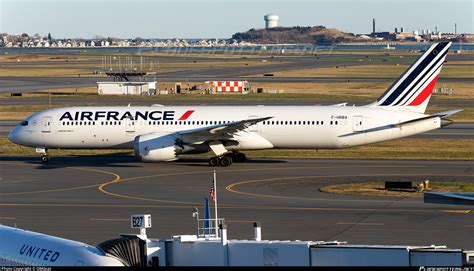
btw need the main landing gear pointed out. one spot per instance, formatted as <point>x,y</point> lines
<point>227,159</point>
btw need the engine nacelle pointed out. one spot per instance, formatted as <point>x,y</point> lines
<point>156,147</point>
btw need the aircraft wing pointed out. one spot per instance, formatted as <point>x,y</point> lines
<point>220,131</point>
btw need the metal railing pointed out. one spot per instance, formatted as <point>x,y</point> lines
<point>208,228</point>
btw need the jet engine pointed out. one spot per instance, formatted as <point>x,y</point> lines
<point>157,147</point>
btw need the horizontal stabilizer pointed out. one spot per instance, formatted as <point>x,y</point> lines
<point>413,121</point>
<point>447,113</point>
<point>440,115</point>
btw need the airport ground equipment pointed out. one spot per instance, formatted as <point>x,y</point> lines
<point>397,185</point>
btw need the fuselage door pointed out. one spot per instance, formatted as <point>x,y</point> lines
<point>358,123</point>
<point>253,128</point>
<point>46,124</point>
<point>130,125</point>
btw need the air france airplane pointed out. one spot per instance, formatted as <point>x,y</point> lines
<point>162,133</point>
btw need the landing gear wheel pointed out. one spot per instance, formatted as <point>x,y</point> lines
<point>226,161</point>
<point>214,161</point>
<point>44,159</point>
<point>240,157</point>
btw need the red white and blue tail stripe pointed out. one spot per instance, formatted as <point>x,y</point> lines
<point>413,89</point>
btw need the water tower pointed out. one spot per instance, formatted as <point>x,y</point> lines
<point>271,20</point>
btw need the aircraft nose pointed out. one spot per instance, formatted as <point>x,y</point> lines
<point>13,135</point>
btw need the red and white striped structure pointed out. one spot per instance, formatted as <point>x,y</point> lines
<point>229,86</point>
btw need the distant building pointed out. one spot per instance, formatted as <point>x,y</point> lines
<point>404,35</point>
<point>385,35</point>
<point>271,20</point>
<point>126,88</point>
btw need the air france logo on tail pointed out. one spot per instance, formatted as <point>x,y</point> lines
<point>120,116</point>
<point>417,83</point>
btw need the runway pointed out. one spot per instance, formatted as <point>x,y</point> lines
<point>453,131</point>
<point>90,199</point>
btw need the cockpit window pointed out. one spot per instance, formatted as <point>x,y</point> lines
<point>24,123</point>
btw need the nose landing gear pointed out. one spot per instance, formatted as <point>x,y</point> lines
<point>44,159</point>
<point>44,154</point>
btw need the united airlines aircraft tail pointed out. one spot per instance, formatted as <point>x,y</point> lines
<point>413,89</point>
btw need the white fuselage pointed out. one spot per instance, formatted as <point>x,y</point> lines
<point>293,127</point>
<point>21,247</point>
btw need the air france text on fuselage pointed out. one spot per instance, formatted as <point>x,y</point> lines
<point>116,115</point>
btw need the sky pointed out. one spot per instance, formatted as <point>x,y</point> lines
<point>222,18</point>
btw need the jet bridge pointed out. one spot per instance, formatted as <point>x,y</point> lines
<point>209,247</point>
